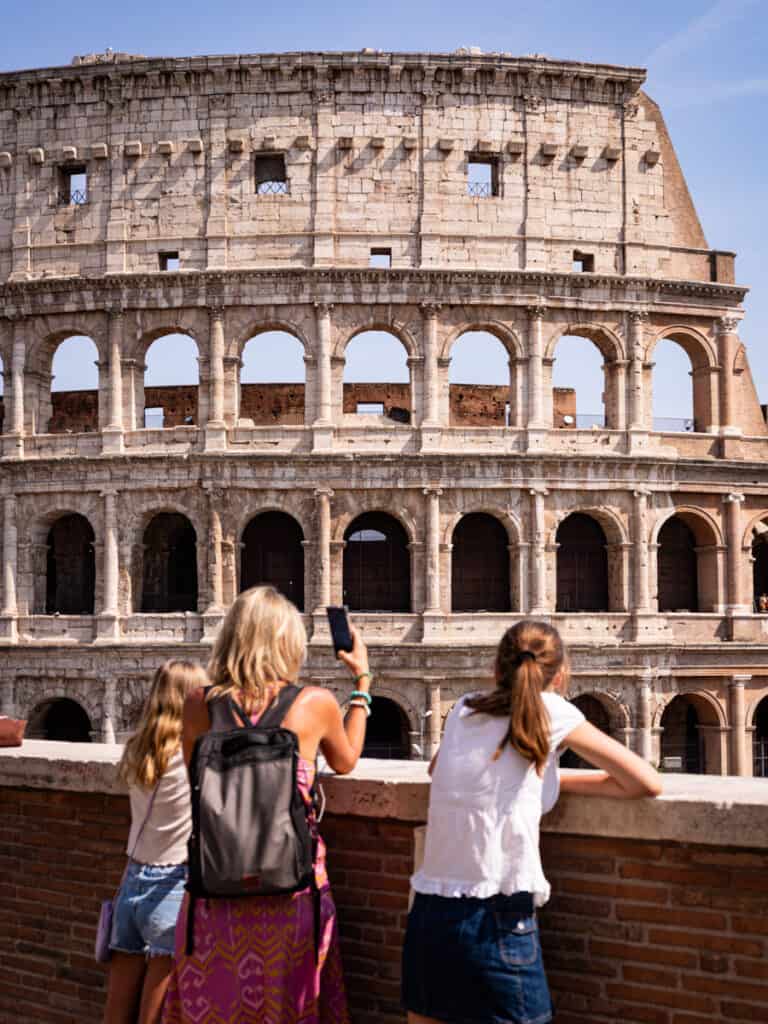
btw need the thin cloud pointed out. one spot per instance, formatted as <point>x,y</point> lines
<point>700,30</point>
<point>718,92</point>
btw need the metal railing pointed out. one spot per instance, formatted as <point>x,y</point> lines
<point>479,189</point>
<point>760,758</point>
<point>272,188</point>
<point>672,425</point>
<point>588,420</point>
<point>72,197</point>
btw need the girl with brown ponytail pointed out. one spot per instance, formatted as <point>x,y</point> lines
<point>472,953</point>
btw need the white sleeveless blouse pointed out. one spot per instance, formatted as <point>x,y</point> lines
<point>483,826</point>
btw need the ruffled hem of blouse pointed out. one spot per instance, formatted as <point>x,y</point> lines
<point>453,888</point>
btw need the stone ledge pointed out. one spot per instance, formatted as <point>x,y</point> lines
<point>702,809</point>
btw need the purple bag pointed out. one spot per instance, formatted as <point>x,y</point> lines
<point>101,951</point>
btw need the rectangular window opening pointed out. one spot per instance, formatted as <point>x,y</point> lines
<point>482,177</point>
<point>583,263</point>
<point>154,419</point>
<point>271,177</point>
<point>168,260</point>
<point>370,408</point>
<point>380,259</point>
<point>73,185</point>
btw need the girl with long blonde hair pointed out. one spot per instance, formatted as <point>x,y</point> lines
<point>471,949</point>
<point>148,901</point>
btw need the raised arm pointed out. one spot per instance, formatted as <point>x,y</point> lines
<point>623,775</point>
<point>343,737</point>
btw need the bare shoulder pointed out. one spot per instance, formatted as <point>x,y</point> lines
<point>318,698</point>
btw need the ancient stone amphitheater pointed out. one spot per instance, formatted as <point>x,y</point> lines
<point>327,195</point>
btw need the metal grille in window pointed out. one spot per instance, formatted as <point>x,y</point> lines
<point>72,196</point>
<point>481,189</point>
<point>272,188</point>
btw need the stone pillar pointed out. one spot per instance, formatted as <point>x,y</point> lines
<point>739,759</point>
<point>215,575</point>
<point>538,555</point>
<point>734,532</point>
<point>435,718</point>
<point>433,549</point>
<point>108,628</point>
<point>536,367</point>
<point>642,591</point>
<point>8,697</point>
<point>14,416</point>
<point>618,414</point>
<point>323,497</point>
<point>134,371</point>
<point>727,346</point>
<point>322,433</point>
<point>108,722</point>
<point>644,733</point>
<point>637,321</point>
<point>430,414</point>
<point>10,569</point>
<point>215,428</point>
<point>112,434</point>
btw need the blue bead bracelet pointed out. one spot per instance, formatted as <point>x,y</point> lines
<point>361,693</point>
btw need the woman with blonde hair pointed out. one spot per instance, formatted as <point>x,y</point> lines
<point>269,959</point>
<point>472,952</point>
<point>148,901</point>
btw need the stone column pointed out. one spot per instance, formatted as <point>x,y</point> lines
<point>433,549</point>
<point>215,575</point>
<point>323,497</point>
<point>734,531</point>
<point>727,346</point>
<point>644,733</point>
<point>113,432</point>
<point>538,556</point>
<point>640,567</point>
<point>108,624</point>
<point>430,414</point>
<point>536,367</point>
<point>14,416</point>
<point>108,722</point>
<point>637,321</point>
<point>739,761</point>
<point>215,428</point>
<point>435,719</point>
<point>618,414</point>
<point>10,569</point>
<point>323,312</point>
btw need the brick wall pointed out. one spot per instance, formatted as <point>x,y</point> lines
<point>649,932</point>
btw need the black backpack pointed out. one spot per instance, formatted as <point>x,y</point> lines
<point>251,832</point>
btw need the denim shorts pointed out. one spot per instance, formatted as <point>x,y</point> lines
<point>475,961</point>
<point>146,908</point>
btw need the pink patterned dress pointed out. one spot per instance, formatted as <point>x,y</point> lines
<point>254,959</point>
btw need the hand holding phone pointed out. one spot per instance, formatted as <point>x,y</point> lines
<point>341,634</point>
<point>348,645</point>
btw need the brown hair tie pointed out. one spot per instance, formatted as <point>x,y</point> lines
<point>525,654</point>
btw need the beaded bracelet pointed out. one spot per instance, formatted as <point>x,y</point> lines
<point>362,675</point>
<point>361,704</point>
<point>362,695</point>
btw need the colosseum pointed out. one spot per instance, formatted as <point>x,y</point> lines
<point>441,201</point>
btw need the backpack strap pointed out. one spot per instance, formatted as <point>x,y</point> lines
<point>273,717</point>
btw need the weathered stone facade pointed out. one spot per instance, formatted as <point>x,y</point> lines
<point>362,154</point>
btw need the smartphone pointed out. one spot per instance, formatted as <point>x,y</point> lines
<point>340,632</point>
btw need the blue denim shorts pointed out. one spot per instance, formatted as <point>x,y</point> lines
<point>145,912</point>
<point>475,961</point>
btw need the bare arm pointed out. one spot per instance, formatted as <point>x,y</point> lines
<point>623,775</point>
<point>343,738</point>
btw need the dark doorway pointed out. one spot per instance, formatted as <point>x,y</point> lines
<point>377,565</point>
<point>273,553</point>
<point>170,565</point>
<point>678,573</point>
<point>582,565</point>
<point>71,567</point>
<point>387,734</point>
<point>480,565</point>
<point>682,749</point>
<point>760,568</point>
<point>60,719</point>
<point>595,713</point>
<point>760,740</point>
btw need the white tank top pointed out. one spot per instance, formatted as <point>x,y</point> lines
<point>483,826</point>
<point>165,835</point>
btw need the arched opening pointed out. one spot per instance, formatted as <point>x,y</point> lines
<point>760,567</point>
<point>387,734</point>
<point>74,387</point>
<point>377,565</point>
<point>171,382</point>
<point>170,565</point>
<point>480,565</point>
<point>273,553</point>
<point>71,567</point>
<point>596,714</point>
<point>582,565</point>
<point>59,719</point>
<point>376,380</point>
<point>481,391</point>
<point>677,567</point>
<point>760,740</point>
<point>272,380</point>
<point>684,740</point>
<point>579,386</point>
<point>680,384</point>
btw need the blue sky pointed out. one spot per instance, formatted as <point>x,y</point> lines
<point>706,67</point>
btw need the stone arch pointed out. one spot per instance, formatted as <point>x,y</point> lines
<point>379,390</point>
<point>271,401</point>
<point>78,409</point>
<point>61,719</point>
<point>617,712</point>
<point>402,515</point>
<point>616,544</point>
<point>608,343</point>
<point>610,347</point>
<point>752,708</point>
<point>475,397</point>
<point>70,567</point>
<point>604,712</point>
<point>509,520</point>
<point>179,403</point>
<point>703,359</point>
<point>391,736</point>
<point>481,574</point>
<point>582,569</point>
<point>260,325</point>
<point>708,541</point>
<point>377,568</point>
<point>507,335</point>
<point>692,722</point>
<point>272,551</point>
<point>396,328</point>
<point>163,585</point>
<point>755,545</point>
